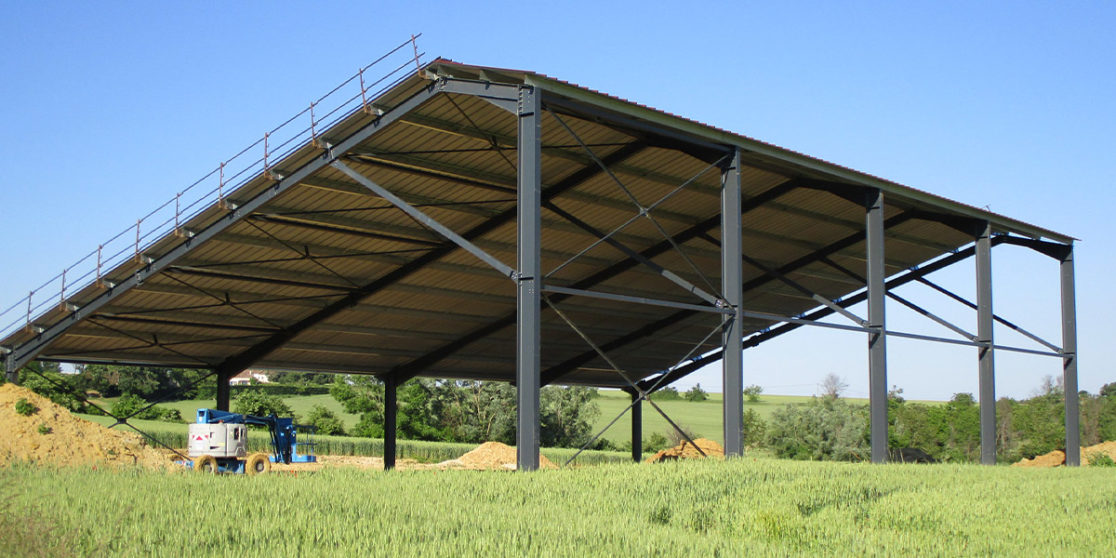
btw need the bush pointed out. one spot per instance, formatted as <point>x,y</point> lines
<point>130,405</point>
<point>44,429</point>
<point>24,407</point>
<point>325,421</point>
<point>827,428</point>
<point>1101,459</point>
<point>261,405</point>
<point>696,394</point>
<point>666,394</point>
<point>752,393</point>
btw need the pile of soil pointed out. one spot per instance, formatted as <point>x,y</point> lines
<point>51,435</point>
<point>1058,457</point>
<point>491,456</point>
<point>685,450</point>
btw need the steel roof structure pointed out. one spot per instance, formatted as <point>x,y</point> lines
<point>480,223</point>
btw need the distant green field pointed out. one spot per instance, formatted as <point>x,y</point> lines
<point>702,418</point>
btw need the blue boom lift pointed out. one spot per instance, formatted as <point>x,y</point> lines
<point>218,443</point>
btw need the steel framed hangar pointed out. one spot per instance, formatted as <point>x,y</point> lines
<point>478,223</point>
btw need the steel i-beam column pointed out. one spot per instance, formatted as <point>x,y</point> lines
<point>877,338</point>
<point>637,428</point>
<point>732,288</point>
<point>391,410</point>
<point>529,227</point>
<point>223,390</point>
<point>984,335</point>
<point>1069,361</point>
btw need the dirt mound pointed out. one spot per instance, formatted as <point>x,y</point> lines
<point>491,456</point>
<point>1052,459</point>
<point>685,450</point>
<point>1107,448</point>
<point>1058,457</point>
<point>52,435</point>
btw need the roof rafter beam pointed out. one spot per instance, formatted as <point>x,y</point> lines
<point>416,366</point>
<point>508,142</point>
<point>552,374</point>
<point>261,350</point>
<point>491,180</point>
<point>758,338</point>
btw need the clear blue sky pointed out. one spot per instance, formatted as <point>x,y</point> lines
<point>106,111</point>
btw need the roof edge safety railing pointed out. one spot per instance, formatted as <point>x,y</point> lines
<point>350,96</point>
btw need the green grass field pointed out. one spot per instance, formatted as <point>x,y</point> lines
<point>735,508</point>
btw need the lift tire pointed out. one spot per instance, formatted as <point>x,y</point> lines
<point>257,464</point>
<point>206,464</point>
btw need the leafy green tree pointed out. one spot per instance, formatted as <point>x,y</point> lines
<point>826,428</point>
<point>1108,390</point>
<point>47,379</point>
<point>419,412</point>
<point>129,404</point>
<point>755,429</point>
<point>476,412</point>
<point>696,394</point>
<point>364,396</point>
<point>668,393</point>
<point>325,421</point>
<point>566,415</point>
<point>752,393</point>
<point>256,403</point>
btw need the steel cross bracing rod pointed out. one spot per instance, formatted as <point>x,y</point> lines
<point>942,321</point>
<point>972,338</point>
<point>996,317</point>
<point>632,254</point>
<point>245,359</point>
<point>793,284</point>
<point>571,364</point>
<point>809,319</point>
<point>642,210</point>
<point>27,351</point>
<point>640,393</point>
<point>427,221</point>
<point>634,218</point>
<point>798,287</point>
<point>412,369</point>
<point>636,299</point>
<point>619,371</point>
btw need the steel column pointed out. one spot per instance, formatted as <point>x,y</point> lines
<point>1069,361</point>
<point>637,427</point>
<point>877,338</point>
<point>986,353</point>
<point>732,288</point>
<point>223,390</point>
<point>391,411</point>
<point>528,307</point>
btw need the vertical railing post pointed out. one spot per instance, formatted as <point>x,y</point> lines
<point>732,289</point>
<point>391,410</point>
<point>987,372</point>
<point>1069,361</point>
<point>529,229</point>
<point>877,337</point>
